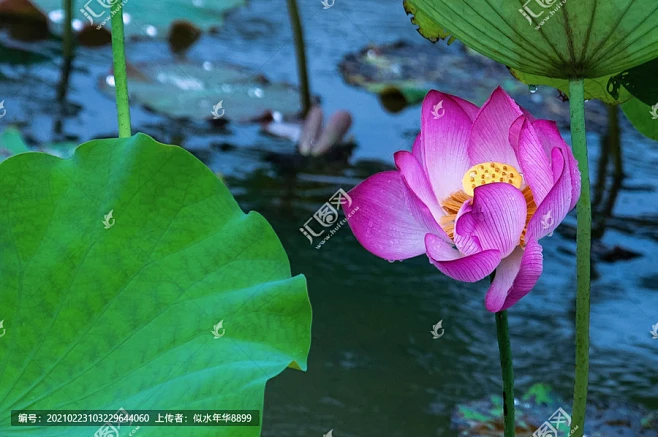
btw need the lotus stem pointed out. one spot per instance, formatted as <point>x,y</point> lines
<point>67,50</point>
<point>300,53</point>
<point>584,242</point>
<point>505,348</point>
<point>120,75</point>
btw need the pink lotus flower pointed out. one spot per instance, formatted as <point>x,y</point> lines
<point>479,190</point>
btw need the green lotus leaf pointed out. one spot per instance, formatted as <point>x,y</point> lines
<point>427,26</point>
<point>552,38</point>
<point>594,88</point>
<point>146,18</point>
<point>643,117</point>
<point>639,81</point>
<point>116,267</point>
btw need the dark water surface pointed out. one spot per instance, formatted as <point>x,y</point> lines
<point>374,369</point>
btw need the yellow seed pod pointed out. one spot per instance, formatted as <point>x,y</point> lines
<point>490,172</point>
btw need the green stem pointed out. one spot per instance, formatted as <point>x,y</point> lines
<point>505,348</point>
<point>584,242</point>
<point>120,74</point>
<point>300,53</point>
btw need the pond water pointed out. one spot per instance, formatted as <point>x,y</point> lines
<point>374,368</point>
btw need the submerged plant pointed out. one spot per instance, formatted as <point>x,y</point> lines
<point>479,190</point>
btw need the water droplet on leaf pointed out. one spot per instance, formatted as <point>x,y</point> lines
<point>110,80</point>
<point>207,66</point>
<point>532,88</point>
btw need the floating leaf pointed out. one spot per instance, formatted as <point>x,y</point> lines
<point>190,91</point>
<point>146,18</point>
<point>643,117</point>
<point>121,318</point>
<point>401,74</point>
<point>551,38</point>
